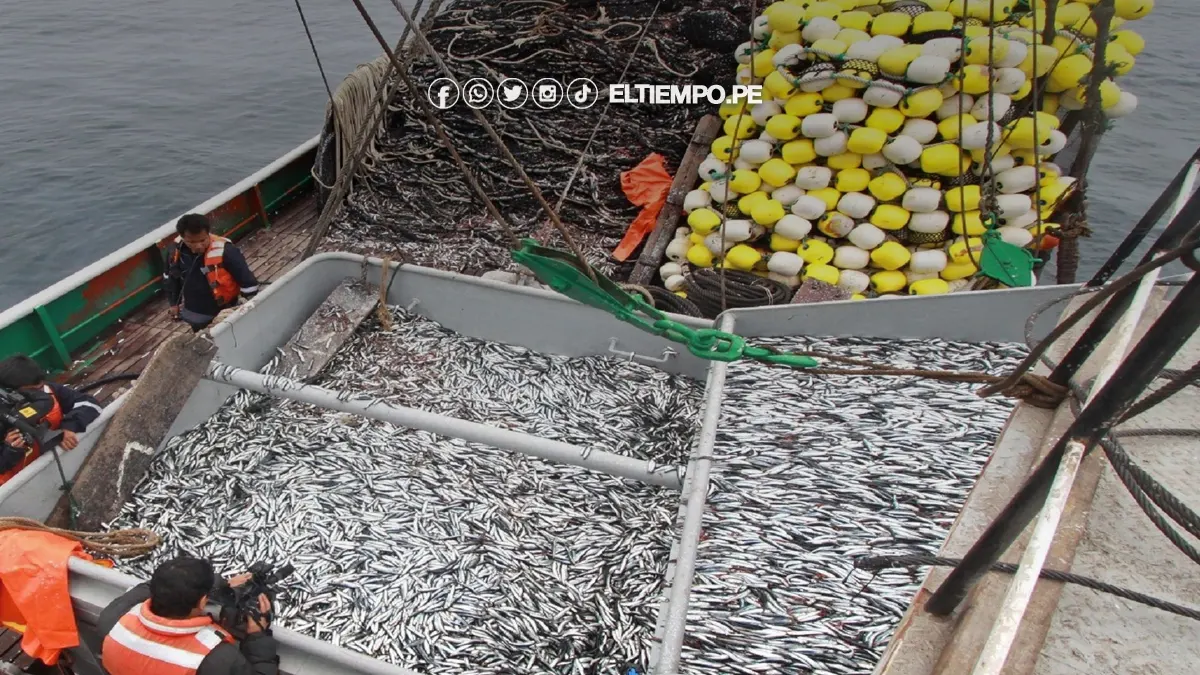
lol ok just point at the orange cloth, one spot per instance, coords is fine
(34, 592)
(647, 186)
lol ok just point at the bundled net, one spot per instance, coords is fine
(898, 141)
(416, 203)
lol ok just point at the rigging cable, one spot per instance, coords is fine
(366, 136)
(432, 118)
(313, 45)
(882, 562)
(558, 37)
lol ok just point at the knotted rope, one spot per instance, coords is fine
(128, 543)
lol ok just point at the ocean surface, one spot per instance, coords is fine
(118, 116)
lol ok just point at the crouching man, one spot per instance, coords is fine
(57, 406)
(162, 628)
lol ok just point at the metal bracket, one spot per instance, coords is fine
(667, 354)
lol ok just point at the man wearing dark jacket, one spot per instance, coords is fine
(56, 405)
(204, 273)
(162, 628)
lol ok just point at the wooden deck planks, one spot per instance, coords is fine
(269, 252)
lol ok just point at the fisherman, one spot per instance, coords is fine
(56, 405)
(161, 628)
(205, 273)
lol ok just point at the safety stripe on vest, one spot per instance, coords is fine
(163, 628)
(209, 638)
(178, 657)
(89, 404)
(249, 289)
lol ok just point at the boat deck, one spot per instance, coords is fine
(1103, 534)
(11, 654)
(270, 252)
(1103, 635)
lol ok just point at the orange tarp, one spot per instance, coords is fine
(34, 592)
(647, 186)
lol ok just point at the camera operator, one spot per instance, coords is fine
(161, 627)
(56, 405)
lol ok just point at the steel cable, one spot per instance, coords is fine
(875, 563)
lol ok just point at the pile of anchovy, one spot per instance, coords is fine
(393, 212)
(432, 553)
(813, 471)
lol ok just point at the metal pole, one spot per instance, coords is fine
(689, 539)
(1179, 190)
(1168, 334)
(1004, 631)
(1177, 232)
(554, 451)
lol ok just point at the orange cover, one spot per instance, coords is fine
(646, 185)
(34, 592)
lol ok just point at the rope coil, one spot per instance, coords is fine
(705, 289)
(128, 543)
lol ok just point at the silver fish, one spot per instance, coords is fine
(434, 553)
(809, 473)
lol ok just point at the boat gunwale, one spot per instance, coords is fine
(43, 298)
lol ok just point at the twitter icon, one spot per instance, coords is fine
(512, 93)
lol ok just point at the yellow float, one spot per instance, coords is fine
(888, 142)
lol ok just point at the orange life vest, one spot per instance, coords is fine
(53, 419)
(142, 642)
(224, 287)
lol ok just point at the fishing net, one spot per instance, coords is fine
(416, 203)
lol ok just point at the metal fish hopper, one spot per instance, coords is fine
(493, 479)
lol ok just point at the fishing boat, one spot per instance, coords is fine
(492, 311)
(106, 321)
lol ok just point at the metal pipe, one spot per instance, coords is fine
(1004, 630)
(1179, 189)
(554, 451)
(1153, 352)
(1176, 233)
(689, 538)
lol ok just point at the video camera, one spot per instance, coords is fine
(240, 603)
(22, 412)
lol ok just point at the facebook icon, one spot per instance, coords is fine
(443, 93)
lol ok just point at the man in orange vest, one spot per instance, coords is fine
(56, 405)
(204, 273)
(162, 628)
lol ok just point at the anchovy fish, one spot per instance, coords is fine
(813, 471)
(433, 553)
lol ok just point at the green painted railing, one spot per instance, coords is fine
(64, 320)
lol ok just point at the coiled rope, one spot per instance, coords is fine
(127, 543)
(351, 110)
(661, 298)
(714, 291)
(882, 562)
